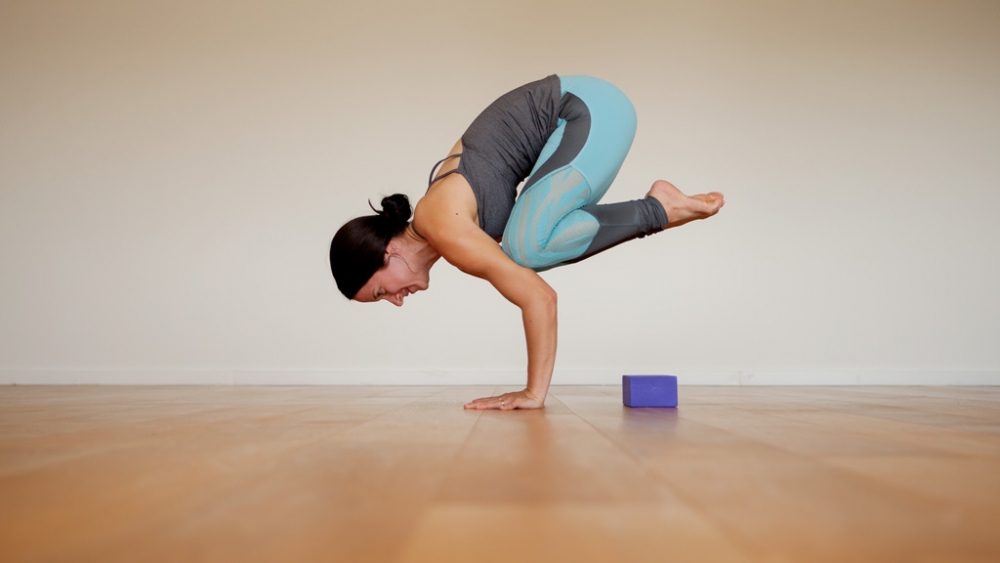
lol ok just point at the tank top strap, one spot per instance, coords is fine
(432, 179)
(413, 226)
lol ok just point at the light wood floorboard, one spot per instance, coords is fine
(404, 474)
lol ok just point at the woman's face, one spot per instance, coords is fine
(392, 283)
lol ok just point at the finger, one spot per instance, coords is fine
(488, 404)
(501, 402)
(485, 399)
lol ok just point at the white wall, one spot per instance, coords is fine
(171, 174)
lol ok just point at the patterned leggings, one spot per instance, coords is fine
(557, 220)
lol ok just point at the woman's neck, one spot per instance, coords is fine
(422, 250)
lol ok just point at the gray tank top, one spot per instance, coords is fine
(501, 146)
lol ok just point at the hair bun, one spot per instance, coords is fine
(396, 208)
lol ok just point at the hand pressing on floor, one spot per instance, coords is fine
(509, 401)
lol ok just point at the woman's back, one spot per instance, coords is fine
(502, 145)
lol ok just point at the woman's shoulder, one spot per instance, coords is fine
(447, 218)
(446, 199)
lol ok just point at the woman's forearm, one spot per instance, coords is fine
(540, 331)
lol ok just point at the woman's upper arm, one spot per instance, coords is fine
(467, 247)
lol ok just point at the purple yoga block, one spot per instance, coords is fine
(649, 390)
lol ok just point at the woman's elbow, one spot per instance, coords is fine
(538, 297)
(549, 297)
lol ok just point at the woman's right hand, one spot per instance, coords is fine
(509, 401)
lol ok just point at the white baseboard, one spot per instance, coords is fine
(485, 377)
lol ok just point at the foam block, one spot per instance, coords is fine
(649, 390)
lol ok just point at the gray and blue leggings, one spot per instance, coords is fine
(556, 219)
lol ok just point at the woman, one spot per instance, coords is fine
(565, 137)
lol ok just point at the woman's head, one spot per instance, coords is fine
(369, 254)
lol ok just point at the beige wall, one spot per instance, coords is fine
(171, 174)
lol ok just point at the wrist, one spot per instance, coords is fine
(537, 394)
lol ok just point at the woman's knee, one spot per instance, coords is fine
(536, 248)
(530, 259)
(604, 98)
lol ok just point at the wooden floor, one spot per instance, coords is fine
(367, 474)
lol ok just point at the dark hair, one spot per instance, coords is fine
(358, 248)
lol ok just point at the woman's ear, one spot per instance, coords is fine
(392, 248)
(389, 253)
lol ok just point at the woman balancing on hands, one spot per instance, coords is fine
(566, 138)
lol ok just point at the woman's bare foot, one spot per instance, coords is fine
(682, 208)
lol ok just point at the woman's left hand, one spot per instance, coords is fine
(509, 401)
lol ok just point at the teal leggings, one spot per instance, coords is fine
(556, 220)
